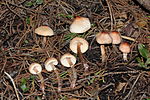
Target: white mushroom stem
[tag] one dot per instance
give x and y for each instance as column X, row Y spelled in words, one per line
column 58, row 77
column 103, row 53
column 44, row 41
column 86, row 66
column 125, row 56
column 128, row 38
column 41, row 80
column 74, row 78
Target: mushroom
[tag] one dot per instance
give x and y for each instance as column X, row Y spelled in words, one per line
column 80, row 25
column 125, row 48
column 69, row 60
column 116, row 37
column 79, row 45
column 44, row 31
column 103, row 38
column 50, row 66
column 36, row 68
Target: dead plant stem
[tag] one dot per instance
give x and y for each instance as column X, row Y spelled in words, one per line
column 13, row 85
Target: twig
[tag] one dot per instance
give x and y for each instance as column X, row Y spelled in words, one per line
column 13, row 85
column 106, row 74
column 128, row 38
column 111, row 15
column 132, row 87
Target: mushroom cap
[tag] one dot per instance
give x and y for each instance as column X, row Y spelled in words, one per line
column 49, row 64
column 64, row 60
column 80, row 25
column 35, row 68
column 44, row 31
column 116, row 38
column 124, row 47
column 103, row 38
column 77, row 40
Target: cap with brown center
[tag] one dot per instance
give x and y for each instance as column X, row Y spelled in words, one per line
column 116, row 37
column 44, row 31
column 80, row 25
column 35, row 68
column 49, row 64
column 103, row 38
column 76, row 41
column 68, row 60
column 125, row 48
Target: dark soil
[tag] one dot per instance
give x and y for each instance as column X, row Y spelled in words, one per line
column 114, row 79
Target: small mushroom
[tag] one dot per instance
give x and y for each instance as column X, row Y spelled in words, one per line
column 116, row 37
column 79, row 45
column 50, row 66
column 44, row 31
column 103, row 38
column 80, row 25
column 36, row 68
column 125, row 48
column 69, row 60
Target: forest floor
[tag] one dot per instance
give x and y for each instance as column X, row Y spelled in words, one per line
column 114, row 79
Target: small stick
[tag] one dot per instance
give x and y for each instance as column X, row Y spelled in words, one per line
column 13, row 85
column 128, row 38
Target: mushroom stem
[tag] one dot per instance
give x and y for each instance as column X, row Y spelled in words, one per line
column 58, row 78
column 42, row 83
column 125, row 56
column 102, row 47
column 86, row 66
column 41, row 80
column 44, row 41
column 73, row 83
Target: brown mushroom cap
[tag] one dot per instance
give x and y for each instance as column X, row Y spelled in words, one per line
column 80, row 25
column 64, row 60
column 116, row 37
column 44, row 31
column 35, row 68
column 124, row 47
column 103, row 38
column 49, row 64
column 77, row 40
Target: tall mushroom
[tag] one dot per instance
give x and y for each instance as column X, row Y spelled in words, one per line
column 125, row 48
column 69, row 60
column 44, row 31
column 80, row 25
column 50, row 66
column 103, row 38
column 36, row 68
column 79, row 45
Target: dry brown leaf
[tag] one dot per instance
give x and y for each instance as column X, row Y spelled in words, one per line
column 141, row 23
column 120, row 86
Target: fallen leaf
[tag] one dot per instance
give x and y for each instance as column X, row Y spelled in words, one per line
column 120, row 86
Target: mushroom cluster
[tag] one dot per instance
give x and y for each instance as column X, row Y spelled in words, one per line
column 114, row 38
column 79, row 46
